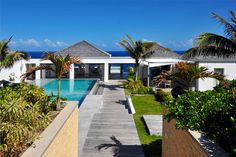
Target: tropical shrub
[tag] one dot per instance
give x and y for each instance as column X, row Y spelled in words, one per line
column 32, row 93
column 131, row 73
column 226, row 86
column 137, row 87
column 21, row 120
column 210, row 112
column 162, row 96
column 132, row 84
column 184, row 74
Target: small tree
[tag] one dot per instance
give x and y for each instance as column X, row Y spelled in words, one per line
column 62, row 66
column 185, row 74
column 8, row 57
column 138, row 50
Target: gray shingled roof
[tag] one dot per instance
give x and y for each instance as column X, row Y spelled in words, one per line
column 84, row 49
column 213, row 59
column 164, row 54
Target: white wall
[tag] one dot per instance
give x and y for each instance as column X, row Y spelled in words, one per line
column 209, row 83
column 18, row 69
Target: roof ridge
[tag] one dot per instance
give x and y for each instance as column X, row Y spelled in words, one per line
column 88, row 43
column 96, row 48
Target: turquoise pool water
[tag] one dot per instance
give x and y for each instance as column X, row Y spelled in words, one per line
column 74, row 90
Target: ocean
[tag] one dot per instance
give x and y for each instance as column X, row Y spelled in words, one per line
column 39, row 54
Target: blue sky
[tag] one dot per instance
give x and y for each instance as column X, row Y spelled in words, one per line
column 54, row 24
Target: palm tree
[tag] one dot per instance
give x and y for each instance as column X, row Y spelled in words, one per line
column 185, row 74
column 138, row 50
column 8, row 57
column 216, row 45
column 62, row 66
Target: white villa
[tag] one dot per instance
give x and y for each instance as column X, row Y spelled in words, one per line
column 99, row 64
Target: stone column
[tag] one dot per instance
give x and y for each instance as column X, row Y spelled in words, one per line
column 71, row 86
column 72, row 72
column 106, row 72
column 38, row 73
column 43, row 74
column 86, row 70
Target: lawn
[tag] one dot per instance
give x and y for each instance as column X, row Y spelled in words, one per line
column 147, row 105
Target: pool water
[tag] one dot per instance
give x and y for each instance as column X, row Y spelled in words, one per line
column 73, row 90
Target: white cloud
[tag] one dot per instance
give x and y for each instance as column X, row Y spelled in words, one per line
column 54, row 44
column 61, row 43
column 146, row 40
column 29, row 42
column 49, row 43
column 180, row 45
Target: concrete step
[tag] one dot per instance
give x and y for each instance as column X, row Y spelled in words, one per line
column 108, row 133
column 113, row 121
column 112, row 116
column 113, row 150
column 111, row 154
column 113, row 126
column 91, row 143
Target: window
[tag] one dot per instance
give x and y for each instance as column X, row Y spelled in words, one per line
column 219, row 71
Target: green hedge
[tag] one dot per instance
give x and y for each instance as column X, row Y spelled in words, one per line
column 211, row 112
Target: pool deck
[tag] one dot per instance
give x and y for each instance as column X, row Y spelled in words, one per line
column 111, row 131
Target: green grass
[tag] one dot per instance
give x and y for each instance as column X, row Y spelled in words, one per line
column 147, row 105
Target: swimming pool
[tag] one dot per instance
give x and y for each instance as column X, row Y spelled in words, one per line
column 73, row 90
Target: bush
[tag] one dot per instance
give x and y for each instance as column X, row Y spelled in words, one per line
column 226, row 86
column 162, row 96
column 21, row 119
column 132, row 84
column 144, row 90
column 211, row 112
column 177, row 91
column 131, row 73
column 137, row 87
column 34, row 94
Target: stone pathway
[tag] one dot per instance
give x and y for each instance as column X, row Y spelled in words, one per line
column 112, row 132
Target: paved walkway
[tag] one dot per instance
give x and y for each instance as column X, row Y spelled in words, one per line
column 112, row 132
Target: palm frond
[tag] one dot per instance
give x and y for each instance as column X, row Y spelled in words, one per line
column 230, row 29
column 208, row 51
column 127, row 46
column 11, row 58
column 233, row 16
column 186, row 73
column 4, row 48
column 32, row 70
column 131, row 40
column 62, row 64
column 206, row 39
column 163, row 77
